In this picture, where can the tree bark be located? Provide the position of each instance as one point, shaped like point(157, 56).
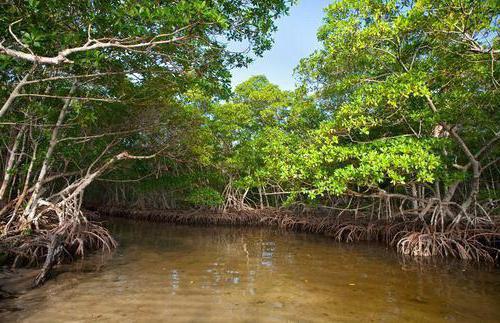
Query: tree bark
point(14, 94)
point(54, 249)
point(31, 207)
point(476, 169)
point(10, 163)
point(24, 192)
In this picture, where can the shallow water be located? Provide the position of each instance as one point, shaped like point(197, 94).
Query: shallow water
point(171, 273)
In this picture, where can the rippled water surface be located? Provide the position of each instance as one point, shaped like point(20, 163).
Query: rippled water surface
point(164, 273)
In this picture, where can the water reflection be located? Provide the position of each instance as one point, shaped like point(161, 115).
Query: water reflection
point(267, 254)
point(177, 273)
point(174, 280)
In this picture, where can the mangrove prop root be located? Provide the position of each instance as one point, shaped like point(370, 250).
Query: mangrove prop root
point(54, 249)
point(54, 243)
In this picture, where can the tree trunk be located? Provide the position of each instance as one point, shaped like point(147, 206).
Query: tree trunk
point(32, 204)
point(260, 199)
point(414, 193)
point(10, 163)
point(476, 176)
point(22, 196)
point(13, 94)
point(54, 249)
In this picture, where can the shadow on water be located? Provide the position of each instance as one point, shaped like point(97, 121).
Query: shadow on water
point(172, 273)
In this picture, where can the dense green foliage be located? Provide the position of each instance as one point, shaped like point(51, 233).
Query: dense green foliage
point(402, 94)
point(401, 99)
point(397, 77)
point(88, 85)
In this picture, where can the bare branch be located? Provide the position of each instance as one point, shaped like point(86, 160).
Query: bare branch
point(14, 94)
point(17, 39)
point(67, 97)
point(91, 44)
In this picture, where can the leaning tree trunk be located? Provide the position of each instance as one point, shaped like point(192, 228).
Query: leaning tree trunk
point(30, 210)
point(10, 162)
point(14, 94)
point(54, 248)
point(24, 192)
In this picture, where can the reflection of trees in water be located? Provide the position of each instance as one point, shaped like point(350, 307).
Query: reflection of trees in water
point(214, 257)
point(267, 253)
point(174, 280)
point(224, 254)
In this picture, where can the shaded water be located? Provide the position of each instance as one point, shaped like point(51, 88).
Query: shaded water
point(194, 274)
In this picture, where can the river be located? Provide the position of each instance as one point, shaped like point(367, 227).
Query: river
point(166, 273)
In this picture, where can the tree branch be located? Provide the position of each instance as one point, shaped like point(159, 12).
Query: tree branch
point(91, 44)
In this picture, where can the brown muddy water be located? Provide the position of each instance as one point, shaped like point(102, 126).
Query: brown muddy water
point(165, 273)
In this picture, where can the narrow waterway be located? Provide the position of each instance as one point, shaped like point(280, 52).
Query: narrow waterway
point(165, 273)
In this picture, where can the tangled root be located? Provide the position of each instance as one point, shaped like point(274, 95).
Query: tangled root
point(55, 243)
point(466, 245)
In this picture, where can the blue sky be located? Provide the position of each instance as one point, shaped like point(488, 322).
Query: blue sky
point(295, 39)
